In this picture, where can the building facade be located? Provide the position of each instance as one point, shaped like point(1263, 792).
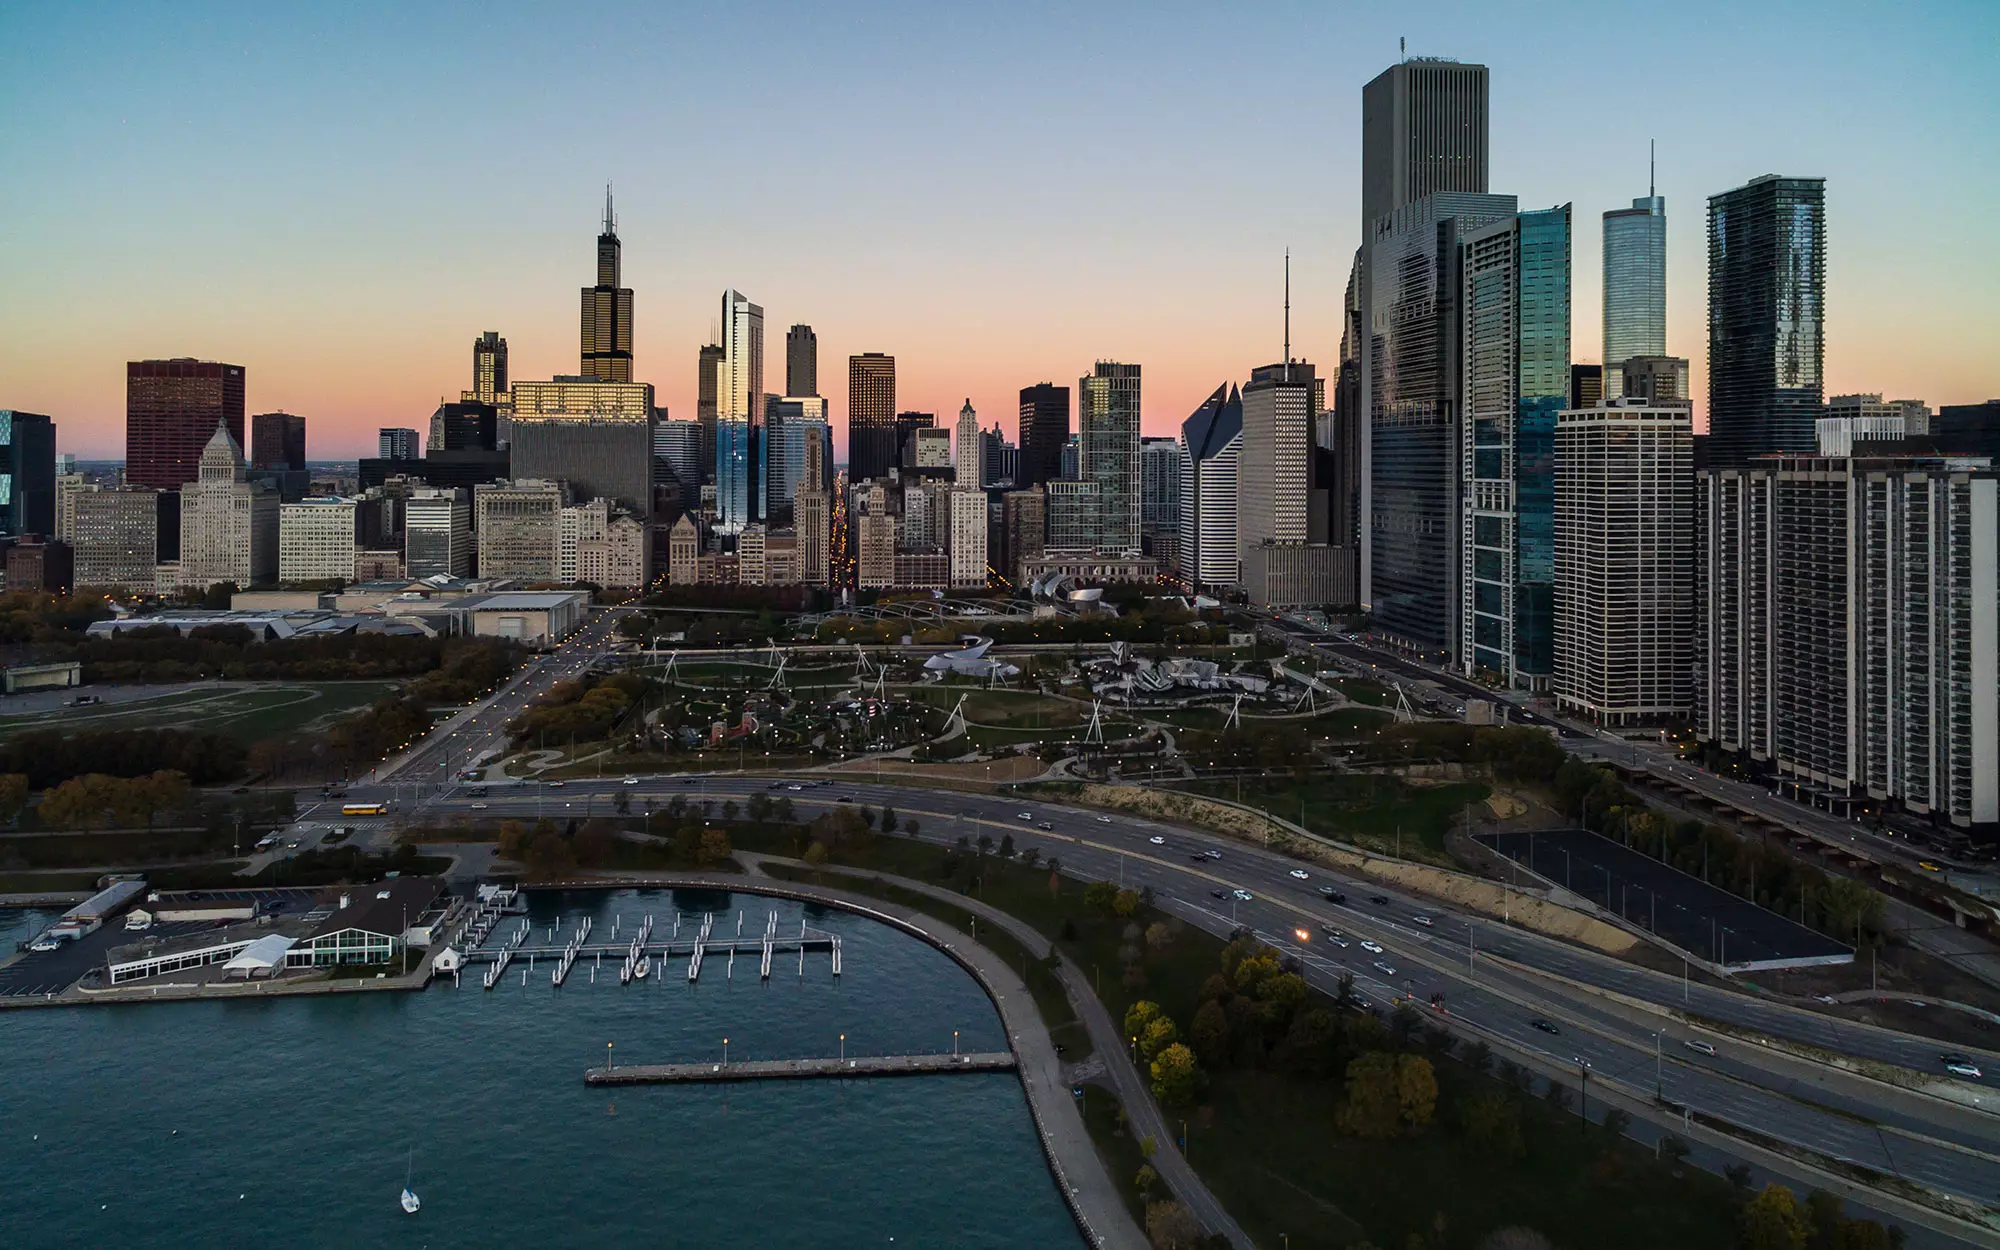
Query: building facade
point(1107, 425)
point(1635, 288)
point(229, 524)
point(1766, 317)
point(27, 472)
point(1625, 561)
point(1044, 432)
point(316, 540)
point(1211, 445)
point(740, 487)
point(115, 539)
point(965, 535)
point(969, 450)
point(1423, 131)
point(278, 441)
point(605, 326)
point(1160, 485)
point(871, 416)
point(489, 369)
point(801, 363)
point(397, 443)
point(171, 407)
point(437, 533)
point(1024, 524)
point(517, 524)
point(68, 487)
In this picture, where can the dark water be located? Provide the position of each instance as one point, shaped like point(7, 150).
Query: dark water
point(288, 1122)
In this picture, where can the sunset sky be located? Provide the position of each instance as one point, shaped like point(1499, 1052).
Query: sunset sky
point(341, 197)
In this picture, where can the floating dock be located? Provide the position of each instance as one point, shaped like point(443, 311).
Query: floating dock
point(800, 1069)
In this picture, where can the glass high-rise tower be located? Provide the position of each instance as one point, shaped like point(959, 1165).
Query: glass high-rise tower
point(1766, 317)
point(1635, 287)
point(1107, 426)
point(1515, 303)
point(739, 416)
point(871, 416)
point(606, 326)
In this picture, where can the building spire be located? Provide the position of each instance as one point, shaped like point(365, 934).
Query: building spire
point(1288, 314)
point(610, 220)
point(1652, 168)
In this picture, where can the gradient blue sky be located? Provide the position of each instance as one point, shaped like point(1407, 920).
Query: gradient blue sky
point(340, 197)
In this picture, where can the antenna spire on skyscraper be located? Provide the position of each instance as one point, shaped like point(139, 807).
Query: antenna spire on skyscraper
point(610, 221)
point(1652, 168)
point(1288, 314)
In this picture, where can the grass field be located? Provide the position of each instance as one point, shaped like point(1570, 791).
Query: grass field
point(1006, 709)
point(1380, 812)
point(246, 712)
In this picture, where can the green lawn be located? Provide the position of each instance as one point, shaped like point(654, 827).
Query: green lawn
point(1385, 813)
point(1010, 709)
point(250, 713)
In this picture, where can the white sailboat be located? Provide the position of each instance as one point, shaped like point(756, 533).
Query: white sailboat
point(411, 1203)
point(640, 969)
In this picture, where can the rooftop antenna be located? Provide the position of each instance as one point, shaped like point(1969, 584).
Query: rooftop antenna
point(1652, 168)
point(1403, 47)
point(610, 222)
point(1288, 314)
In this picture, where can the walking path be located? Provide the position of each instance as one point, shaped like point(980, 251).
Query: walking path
point(1142, 1114)
point(1079, 1171)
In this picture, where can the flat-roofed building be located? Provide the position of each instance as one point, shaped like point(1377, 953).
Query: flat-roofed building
point(517, 524)
point(316, 540)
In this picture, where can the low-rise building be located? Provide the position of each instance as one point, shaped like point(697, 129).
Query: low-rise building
point(367, 924)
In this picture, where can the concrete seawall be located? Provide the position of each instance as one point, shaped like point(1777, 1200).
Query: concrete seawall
point(801, 1069)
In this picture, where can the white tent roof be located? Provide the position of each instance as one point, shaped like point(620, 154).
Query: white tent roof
point(265, 953)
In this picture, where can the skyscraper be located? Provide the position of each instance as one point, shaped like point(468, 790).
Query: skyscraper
point(969, 450)
point(171, 407)
point(1107, 425)
point(396, 444)
point(595, 436)
point(739, 418)
point(1159, 486)
point(278, 441)
point(1766, 317)
point(1514, 299)
point(606, 324)
point(1043, 431)
point(1423, 130)
point(1211, 442)
point(708, 373)
point(1635, 286)
point(795, 440)
point(801, 362)
point(489, 368)
point(871, 416)
point(907, 425)
point(27, 473)
point(229, 524)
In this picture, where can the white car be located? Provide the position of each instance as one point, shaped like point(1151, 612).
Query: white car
point(1024, 815)
point(794, 787)
point(1699, 1048)
point(1299, 874)
point(479, 807)
point(1969, 1071)
point(1386, 968)
point(1425, 921)
point(631, 781)
point(1241, 896)
point(1213, 854)
point(1157, 840)
point(1104, 820)
point(1371, 946)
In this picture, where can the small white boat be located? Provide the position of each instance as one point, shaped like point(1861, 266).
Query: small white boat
point(411, 1203)
point(639, 971)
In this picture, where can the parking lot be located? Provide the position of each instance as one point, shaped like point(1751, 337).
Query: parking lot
point(36, 974)
point(1695, 916)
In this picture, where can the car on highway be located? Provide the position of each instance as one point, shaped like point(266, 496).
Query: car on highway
point(1380, 900)
point(1241, 896)
point(1384, 967)
point(479, 807)
point(1422, 919)
point(1546, 1026)
point(1299, 874)
point(630, 781)
point(1024, 815)
point(794, 787)
point(846, 798)
point(1699, 1047)
point(1044, 825)
point(1960, 1065)
point(1104, 820)
point(1372, 946)
point(1157, 840)
point(1218, 893)
point(1334, 935)
point(1212, 854)
point(557, 784)
point(1332, 895)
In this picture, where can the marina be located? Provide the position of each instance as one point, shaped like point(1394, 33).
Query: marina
point(638, 956)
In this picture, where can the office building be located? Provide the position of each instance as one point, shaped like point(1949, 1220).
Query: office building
point(396, 444)
point(437, 468)
point(708, 376)
point(36, 565)
point(1283, 517)
point(871, 416)
point(115, 539)
point(1409, 408)
point(1024, 525)
point(489, 370)
point(437, 533)
point(1766, 317)
point(1000, 460)
point(1423, 132)
point(875, 536)
point(228, 524)
point(171, 407)
point(567, 396)
point(790, 425)
point(969, 452)
point(278, 441)
point(677, 446)
point(1044, 432)
point(317, 540)
point(601, 546)
point(739, 419)
point(1073, 514)
point(1211, 449)
point(1968, 429)
point(964, 532)
point(516, 524)
point(812, 506)
point(596, 437)
point(606, 323)
point(1853, 422)
point(1586, 386)
point(1850, 640)
point(1160, 485)
point(801, 362)
point(1107, 425)
point(27, 472)
point(907, 425)
point(1660, 381)
point(68, 487)
point(1635, 288)
point(927, 447)
point(65, 462)
point(1625, 559)
point(469, 425)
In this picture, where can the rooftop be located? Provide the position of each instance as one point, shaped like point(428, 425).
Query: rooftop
point(384, 907)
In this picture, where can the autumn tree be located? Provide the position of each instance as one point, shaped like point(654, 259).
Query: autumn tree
point(1772, 1221)
point(1372, 1109)
point(13, 794)
point(1176, 1076)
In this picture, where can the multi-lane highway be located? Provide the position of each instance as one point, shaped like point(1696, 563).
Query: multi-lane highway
point(1487, 973)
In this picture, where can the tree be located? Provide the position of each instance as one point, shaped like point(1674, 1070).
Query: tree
point(549, 856)
point(783, 810)
point(623, 803)
point(1372, 1109)
point(1158, 1034)
point(1772, 1221)
point(1171, 1226)
point(1100, 896)
point(1210, 1030)
point(888, 819)
point(1176, 1076)
point(868, 817)
point(1146, 1180)
point(1492, 1123)
point(1738, 1175)
point(730, 811)
point(816, 854)
point(1141, 1014)
point(910, 826)
point(714, 847)
point(1006, 850)
point(1159, 936)
point(1616, 1122)
point(1416, 1090)
point(1124, 903)
point(1674, 1149)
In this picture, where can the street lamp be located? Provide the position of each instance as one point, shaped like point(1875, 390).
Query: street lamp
point(607, 1056)
point(725, 1052)
point(843, 1048)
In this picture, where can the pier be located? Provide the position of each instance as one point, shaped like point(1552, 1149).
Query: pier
point(828, 1068)
point(643, 947)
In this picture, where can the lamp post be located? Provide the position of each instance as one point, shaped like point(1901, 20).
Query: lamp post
point(725, 1052)
point(607, 1056)
point(843, 1048)
point(954, 1043)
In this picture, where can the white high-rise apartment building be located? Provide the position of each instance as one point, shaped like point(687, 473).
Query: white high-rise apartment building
point(437, 533)
point(316, 540)
point(967, 535)
point(518, 525)
point(1624, 592)
point(229, 525)
point(1159, 485)
point(970, 467)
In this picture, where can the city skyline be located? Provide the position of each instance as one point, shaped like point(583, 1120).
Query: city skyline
point(327, 238)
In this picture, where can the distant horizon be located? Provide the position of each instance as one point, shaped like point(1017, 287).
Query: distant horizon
point(993, 199)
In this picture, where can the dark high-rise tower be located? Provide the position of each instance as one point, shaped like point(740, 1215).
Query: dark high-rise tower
point(871, 416)
point(801, 362)
point(1766, 317)
point(710, 369)
point(171, 407)
point(489, 355)
point(1423, 130)
point(1043, 431)
point(607, 312)
point(27, 473)
point(278, 441)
